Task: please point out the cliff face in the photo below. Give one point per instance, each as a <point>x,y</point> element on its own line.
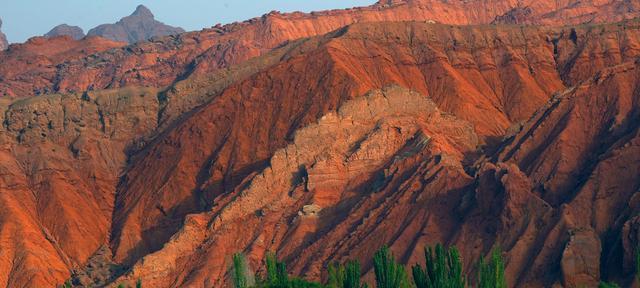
<point>139,26</point>
<point>31,68</point>
<point>334,183</point>
<point>345,184</point>
<point>61,157</point>
<point>324,148</point>
<point>216,161</point>
<point>580,153</point>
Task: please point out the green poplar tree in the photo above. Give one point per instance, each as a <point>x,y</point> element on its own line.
<point>491,275</point>
<point>443,269</point>
<point>389,274</point>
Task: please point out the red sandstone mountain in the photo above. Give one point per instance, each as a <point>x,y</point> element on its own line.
<point>399,133</point>
<point>216,166</point>
<point>33,66</point>
<point>163,61</point>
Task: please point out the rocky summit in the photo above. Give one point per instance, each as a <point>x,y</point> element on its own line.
<point>74,32</point>
<point>498,125</point>
<point>139,26</point>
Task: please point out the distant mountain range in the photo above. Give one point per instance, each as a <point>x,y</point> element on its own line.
<point>139,26</point>
<point>63,29</point>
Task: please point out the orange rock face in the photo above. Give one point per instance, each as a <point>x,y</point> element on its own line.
<point>33,67</point>
<point>411,191</point>
<point>162,61</point>
<point>226,142</point>
<point>250,137</point>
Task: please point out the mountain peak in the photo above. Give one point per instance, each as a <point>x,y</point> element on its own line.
<point>139,26</point>
<point>143,11</point>
<point>63,29</point>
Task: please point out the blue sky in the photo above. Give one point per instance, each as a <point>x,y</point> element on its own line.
<point>23,19</point>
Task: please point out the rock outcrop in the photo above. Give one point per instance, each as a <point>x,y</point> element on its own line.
<point>31,68</point>
<point>581,259</point>
<point>3,39</point>
<point>61,157</point>
<point>74,32</point>
<point>139,26</point>
<point>346,169</point>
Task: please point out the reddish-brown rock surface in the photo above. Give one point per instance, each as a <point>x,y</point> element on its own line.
<point>205,155</point>
<point>324,148</point>
<point>33,67</point>
<point>412,191</point>
<point>162,61</point>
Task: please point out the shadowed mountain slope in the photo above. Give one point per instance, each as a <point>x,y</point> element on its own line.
<point>250,137</point>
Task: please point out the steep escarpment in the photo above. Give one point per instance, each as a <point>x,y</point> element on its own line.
<point>61,157</point>
<point>580,153</point>
<point>162,61</point>
<point>404,182</point>
<point>567,12</point>
<point>232,135</point>
<point>316,184</point>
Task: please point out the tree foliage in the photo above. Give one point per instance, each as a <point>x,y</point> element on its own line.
<point>491,274</point>
<point>443,269</point>
<point>389,274</point>
<point>608,285</point>
<point>344,276</point>
<point>242,276</point>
